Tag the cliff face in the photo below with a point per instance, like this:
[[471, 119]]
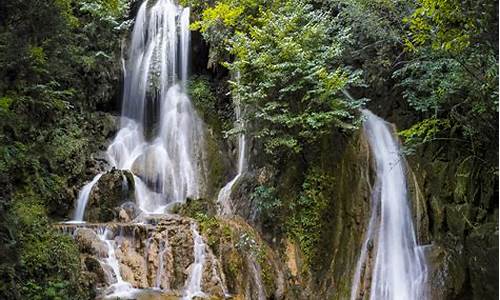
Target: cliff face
[[461, 200]]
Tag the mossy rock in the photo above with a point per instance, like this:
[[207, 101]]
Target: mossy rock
[[482, 257], [113, 188]]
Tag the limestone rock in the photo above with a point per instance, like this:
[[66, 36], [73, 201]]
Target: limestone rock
[[112, 189], [88, 242]]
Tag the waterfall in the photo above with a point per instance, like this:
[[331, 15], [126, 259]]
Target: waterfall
[[164, 247], [160, 139], [121, 288], [399, 269], [224, 197], [161, 135], [83, 198], [193, 287]]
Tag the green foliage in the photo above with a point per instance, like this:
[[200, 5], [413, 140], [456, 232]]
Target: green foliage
[[215, 231], [269, 206], [449, 25], [286, 57], [223, 13], [203, 97], [453, 74], [36, 245], [422, 132], [306, 214], [58, 59]]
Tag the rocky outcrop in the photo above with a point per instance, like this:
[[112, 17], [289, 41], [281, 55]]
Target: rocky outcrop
[[156, 254], [113, 189], [88, 242], [462, 209]]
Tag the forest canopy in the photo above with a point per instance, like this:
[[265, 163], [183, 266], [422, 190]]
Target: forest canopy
[[292, 65]]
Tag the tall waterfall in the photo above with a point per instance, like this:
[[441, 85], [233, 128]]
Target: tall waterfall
[[398, 270], [160, 139]]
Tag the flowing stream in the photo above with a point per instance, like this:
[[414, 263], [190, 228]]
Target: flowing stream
[[397, 267]]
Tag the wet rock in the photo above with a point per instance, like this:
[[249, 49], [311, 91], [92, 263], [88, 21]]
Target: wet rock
[[133, 261], [112, 189], [482, 257], [103, 272], [123, 216], [88, 242], [131, 210]]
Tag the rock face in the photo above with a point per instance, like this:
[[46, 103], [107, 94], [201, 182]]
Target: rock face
[[88, 242], [113, 189], [463, 225], [158, 255]]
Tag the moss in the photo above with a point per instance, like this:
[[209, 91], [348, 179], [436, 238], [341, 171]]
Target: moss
[[305, 223], [215, 168], [194, 208], [108, 194], [37, 245], [461, 203], [482, 257]]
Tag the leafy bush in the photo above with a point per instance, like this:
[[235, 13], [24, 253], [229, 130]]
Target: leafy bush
[[306, 220], [48, 261], [286, 60], [269, 206]]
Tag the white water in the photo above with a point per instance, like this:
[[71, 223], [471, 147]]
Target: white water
[[224, 197], [193, 287], [120, 289], [161, 138], [83, 198], [164, 247], [399, 267]]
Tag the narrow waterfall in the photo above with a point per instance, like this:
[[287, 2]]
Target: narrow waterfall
[[160, 273], [193, 287], [259, 292], [83, 198], [398, 270], [121, 288], [224, 197]]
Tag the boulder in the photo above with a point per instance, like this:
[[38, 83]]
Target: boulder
[[113, 188], [88, 242]]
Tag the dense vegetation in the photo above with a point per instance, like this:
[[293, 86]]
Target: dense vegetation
[[290, 62], [58, 62]]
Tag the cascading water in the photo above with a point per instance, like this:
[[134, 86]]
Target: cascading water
[[193, 288], [259, 290], [83, 198], [161, 136], [399, 269], [164, 247], [121, 288]]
